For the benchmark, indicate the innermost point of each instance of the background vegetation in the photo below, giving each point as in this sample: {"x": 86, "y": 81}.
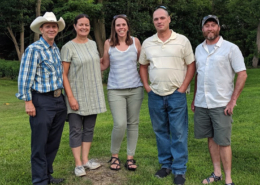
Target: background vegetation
{"x": 15, "y": 145}
{"x": 240, "y": 21}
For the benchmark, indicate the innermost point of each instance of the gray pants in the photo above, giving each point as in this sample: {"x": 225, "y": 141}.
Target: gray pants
{"x": 77, "y": 134}
{"x": 125, "y": 105}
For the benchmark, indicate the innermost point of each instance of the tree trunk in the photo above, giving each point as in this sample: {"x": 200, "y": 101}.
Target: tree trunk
{"x": 255, "y": 59}
{"x": 15, "y": 42}
{"x": 99, "y": 31}
{"x": 38, "y": 13}
{"x": 21, "y": 40}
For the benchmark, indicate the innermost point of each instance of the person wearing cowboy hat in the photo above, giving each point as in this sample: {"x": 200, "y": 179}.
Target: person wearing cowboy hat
{"x": 39, "y": 85}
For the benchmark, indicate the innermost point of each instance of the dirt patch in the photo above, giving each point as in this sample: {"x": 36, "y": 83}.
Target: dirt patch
{"x": 105, "y": 176}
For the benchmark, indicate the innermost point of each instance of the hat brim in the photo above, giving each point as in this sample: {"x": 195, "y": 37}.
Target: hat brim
{"x": 36, "y": 24}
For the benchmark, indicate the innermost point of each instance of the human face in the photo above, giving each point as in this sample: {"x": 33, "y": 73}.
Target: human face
{"x": 161, "y": 20}
{"x": 49, "y": 31}
{"x": 211, "y": 31}
{"x": 121, "y": 27}
{"x": 82, "y": 27}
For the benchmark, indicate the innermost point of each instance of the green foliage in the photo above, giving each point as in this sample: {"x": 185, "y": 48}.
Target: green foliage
{"x": 9, "y": 69}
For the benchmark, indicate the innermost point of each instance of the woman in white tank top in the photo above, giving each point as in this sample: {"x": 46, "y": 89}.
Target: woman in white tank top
{"x": 125, "y": 89}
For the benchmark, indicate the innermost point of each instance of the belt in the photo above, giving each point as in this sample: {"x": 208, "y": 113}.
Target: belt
{"x": 56, "y": 93}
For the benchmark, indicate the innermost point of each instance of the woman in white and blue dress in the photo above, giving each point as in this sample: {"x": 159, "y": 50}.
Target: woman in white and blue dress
{"x": 84, "y": 92}
{"x": 125, "y": 90}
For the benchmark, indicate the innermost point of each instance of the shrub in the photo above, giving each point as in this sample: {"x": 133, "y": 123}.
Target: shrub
{"x": 9, "y": 69}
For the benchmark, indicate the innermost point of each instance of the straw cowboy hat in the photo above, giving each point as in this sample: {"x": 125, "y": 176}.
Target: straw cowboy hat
{"x": 48, "y": 17}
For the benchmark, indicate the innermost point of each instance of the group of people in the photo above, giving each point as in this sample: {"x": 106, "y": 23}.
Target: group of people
{"x": 166, "y": 58}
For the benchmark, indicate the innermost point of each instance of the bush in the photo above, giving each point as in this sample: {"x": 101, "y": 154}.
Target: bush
{"x": 9, "y": 69}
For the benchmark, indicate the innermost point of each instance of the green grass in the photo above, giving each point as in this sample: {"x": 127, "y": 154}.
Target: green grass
{"x": 15, "y": 144}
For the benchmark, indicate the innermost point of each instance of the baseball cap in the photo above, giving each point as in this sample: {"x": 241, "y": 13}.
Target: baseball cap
{"x": 213, "y": 17}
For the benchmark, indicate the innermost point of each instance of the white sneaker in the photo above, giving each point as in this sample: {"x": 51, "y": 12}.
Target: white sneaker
{"x": 80, "y": 171}
{"x": 91, "y": 164}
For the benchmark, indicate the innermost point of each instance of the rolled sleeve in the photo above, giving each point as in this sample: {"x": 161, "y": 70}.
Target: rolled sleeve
{"x": 27, "y": 74}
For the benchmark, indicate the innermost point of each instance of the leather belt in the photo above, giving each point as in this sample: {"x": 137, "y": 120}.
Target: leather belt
{"x": 56, "y": 93}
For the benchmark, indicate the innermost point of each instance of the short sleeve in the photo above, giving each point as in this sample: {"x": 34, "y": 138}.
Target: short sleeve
{"x": 143, "y": 59}
{"x": 188, "y": 53}
{"x": 237, "y": 60}
{"x": 66, "y": 53}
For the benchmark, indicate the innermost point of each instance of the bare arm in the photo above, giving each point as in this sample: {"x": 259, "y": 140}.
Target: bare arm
{"x": 138, "y": 47}
{"x": 104, "y": 62}
{"x": 72, "y": 101}
{"x": 240, "y": 82}
{"x": 188, "y": 77}
{"x": 144, "y": 76}
{"x": 195, "y": 90}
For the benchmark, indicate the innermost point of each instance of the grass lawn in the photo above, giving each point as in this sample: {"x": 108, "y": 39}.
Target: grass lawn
{"x": 15, "y": 145}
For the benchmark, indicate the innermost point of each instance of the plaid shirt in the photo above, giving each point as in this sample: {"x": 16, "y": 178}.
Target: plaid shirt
{"x": 40, "y": 70}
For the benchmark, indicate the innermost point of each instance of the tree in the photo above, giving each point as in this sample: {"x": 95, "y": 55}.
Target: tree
{"x": 13, "y": 17}
{"x": 38, "y": 13}
{"x": 248, "y": 12}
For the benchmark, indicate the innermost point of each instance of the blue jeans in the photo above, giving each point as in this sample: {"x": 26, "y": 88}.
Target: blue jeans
{"x": 170, "y": 123}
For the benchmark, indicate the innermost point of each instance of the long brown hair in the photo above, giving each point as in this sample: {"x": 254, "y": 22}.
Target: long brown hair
{"x": 113, "y": 40}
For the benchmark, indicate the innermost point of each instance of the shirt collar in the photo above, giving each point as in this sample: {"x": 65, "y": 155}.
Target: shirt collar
{"x": 218, "y": 44}
{"x": 172, "y": 37}
{"x": 45, "y": 43}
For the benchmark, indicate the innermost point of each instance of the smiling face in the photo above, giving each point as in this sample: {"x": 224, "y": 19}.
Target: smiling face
{"x": 211, "y": 31}
{"x": 161, "y": 20}
{"x": 82, "y": 27}
{"x": 49, "y": 31}
{"x": 121, "y": 27}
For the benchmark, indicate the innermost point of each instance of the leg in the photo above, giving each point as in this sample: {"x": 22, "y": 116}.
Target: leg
{"x": 117, "y": 103}
{"x": 55, "y": 132}
{"x": 226, "y": 158}
{"x": 87, "y": 137}
{"x": 41, "y": 125}
{"x": 222, "y": 137}
{"x": 75, "y": 123}
{"x": 178, "y": 119}
{"x": 134, "y": 102}
{"x": 215, "y": 157}
{"x": 160, "y": 123}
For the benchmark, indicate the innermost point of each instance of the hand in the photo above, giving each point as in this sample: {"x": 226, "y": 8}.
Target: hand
{"x": 148, "y": 89}
{"x": 192, "y": 106}
{"x": 229, "y": 108}
{"x": 181, "y": 90}
{"x": 30, "y": 109}
{"x": 73, "y": 103}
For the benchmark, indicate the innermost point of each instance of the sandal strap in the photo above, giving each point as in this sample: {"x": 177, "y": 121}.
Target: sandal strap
{"x": 131, "y": 160}
{"x": 216, "y": 178}
{"x": 114, "y": 162}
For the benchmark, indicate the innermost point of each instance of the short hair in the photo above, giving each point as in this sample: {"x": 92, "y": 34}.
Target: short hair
{"x": 113, "y": 40}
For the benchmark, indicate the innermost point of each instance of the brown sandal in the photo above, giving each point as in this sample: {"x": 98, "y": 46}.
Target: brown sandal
{"x": 113, "y": 161}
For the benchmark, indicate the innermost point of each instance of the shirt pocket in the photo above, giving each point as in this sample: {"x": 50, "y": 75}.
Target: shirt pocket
{"x": 220, "y": 61}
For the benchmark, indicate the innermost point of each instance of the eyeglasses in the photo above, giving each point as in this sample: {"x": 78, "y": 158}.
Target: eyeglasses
{"x": 120, "y": 15}
{"x": 210, "y": 16}
{"x": 163, "y": 7}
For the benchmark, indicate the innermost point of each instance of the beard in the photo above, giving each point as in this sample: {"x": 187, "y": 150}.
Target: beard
{"x": 211, "y": 35}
